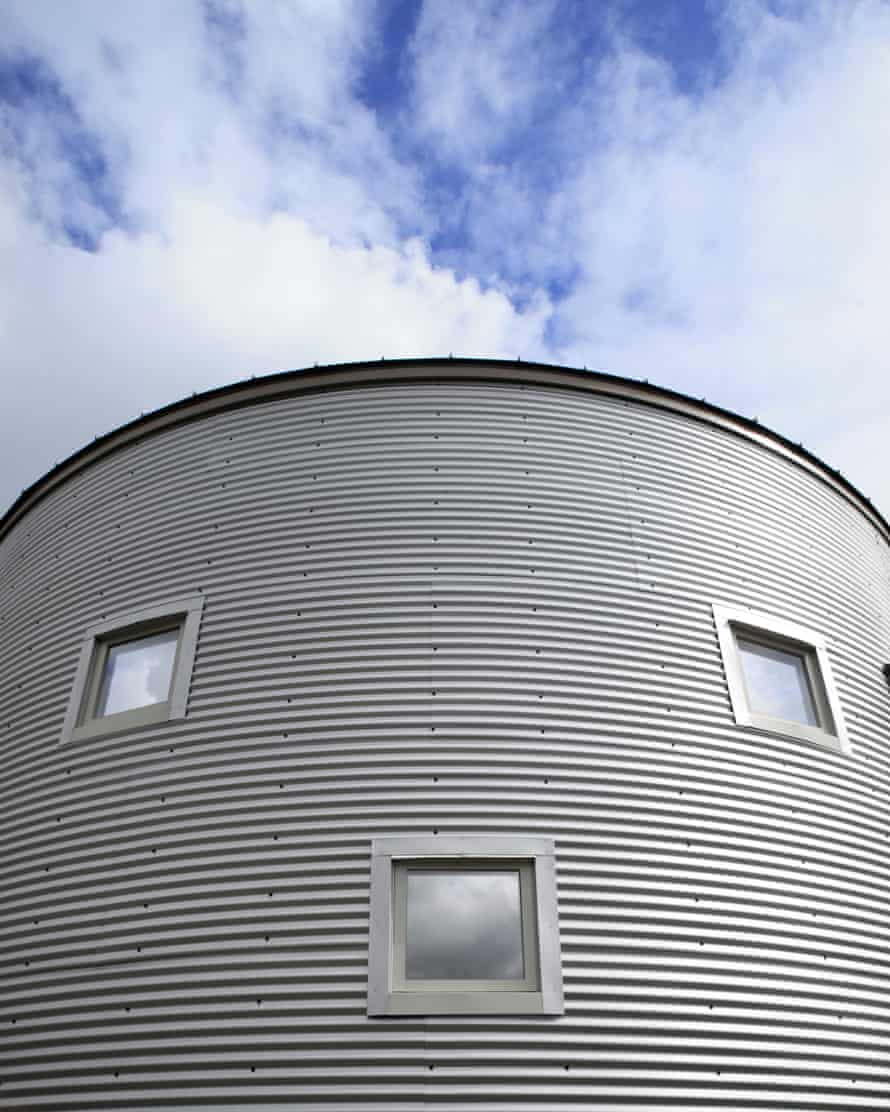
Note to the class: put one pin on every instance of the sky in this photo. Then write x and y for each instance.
(684, 191)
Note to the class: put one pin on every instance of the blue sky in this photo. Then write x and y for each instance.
(690, 192)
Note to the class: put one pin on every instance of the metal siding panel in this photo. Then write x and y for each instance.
(463, 608)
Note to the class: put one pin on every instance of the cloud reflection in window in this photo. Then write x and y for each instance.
(137, 673)
(463, 926)
(777, 683)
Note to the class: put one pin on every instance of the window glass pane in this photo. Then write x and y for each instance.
(777, 683)
(463, 925)
(137, 673)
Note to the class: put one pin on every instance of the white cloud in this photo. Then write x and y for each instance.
(90, 340)
(266, 214)
(478, 70)
(730, 244)
(735, 246)
(256, 106)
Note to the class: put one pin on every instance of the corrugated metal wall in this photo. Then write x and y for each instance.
(461, 608)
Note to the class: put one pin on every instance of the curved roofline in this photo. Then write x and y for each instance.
(255, 390)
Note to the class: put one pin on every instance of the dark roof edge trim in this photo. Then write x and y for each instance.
(390, 371)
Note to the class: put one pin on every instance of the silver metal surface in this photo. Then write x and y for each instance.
(450, 608)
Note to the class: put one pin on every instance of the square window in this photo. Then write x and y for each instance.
(134, 670)
(779, 677)
(777, 681)
(464, 926)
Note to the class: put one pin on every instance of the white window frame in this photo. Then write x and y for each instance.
(734, 622)
(540, 991)
(183, 614)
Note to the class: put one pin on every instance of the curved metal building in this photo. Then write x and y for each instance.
(462, 600)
